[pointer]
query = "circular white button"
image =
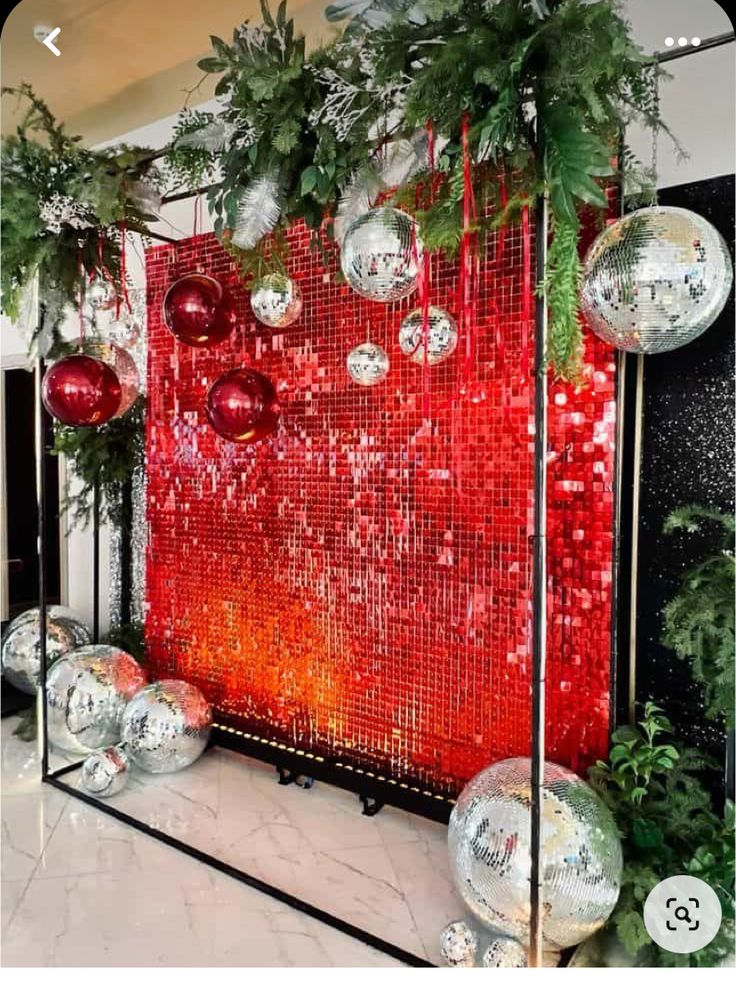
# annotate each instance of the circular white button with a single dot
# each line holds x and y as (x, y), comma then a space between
(682, 914)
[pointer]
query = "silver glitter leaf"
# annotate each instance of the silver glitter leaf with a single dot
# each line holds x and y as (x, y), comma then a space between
(259, 211)
(212, 137)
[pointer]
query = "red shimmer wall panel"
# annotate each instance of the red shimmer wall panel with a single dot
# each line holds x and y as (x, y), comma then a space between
(359, 583)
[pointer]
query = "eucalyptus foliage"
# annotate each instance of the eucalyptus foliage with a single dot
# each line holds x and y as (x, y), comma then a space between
(514, 69)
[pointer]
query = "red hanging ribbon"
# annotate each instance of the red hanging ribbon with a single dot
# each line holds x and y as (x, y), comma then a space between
(466, 259)
(527, 294)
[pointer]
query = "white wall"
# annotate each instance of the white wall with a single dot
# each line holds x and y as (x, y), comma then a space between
(698, 104)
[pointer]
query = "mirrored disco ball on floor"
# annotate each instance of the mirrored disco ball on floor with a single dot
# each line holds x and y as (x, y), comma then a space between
(381, 255)
(655, 280)
(105, 772)
(86, 692)
(489, 845)
(504, 952)
(166, 726)
(277, 301)
(21, 646)
(459, 944)
(441, 336)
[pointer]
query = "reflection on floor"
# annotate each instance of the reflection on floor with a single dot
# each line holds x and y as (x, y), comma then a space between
(82, 889)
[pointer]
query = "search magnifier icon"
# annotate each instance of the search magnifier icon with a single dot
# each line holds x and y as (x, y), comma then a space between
(684, 910)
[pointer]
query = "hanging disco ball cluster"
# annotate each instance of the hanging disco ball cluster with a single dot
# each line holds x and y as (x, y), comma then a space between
(381, 257)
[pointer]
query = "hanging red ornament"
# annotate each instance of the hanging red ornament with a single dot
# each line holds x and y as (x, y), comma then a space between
(242, 406)
(198, 310)
(81, 390)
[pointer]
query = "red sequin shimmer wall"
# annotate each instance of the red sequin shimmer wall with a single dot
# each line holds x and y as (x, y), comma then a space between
(359, 583)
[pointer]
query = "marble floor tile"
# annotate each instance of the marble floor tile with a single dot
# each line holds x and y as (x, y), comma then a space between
(387, 874)
(81, 888)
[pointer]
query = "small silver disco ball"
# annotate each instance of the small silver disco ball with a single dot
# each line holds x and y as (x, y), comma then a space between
(459, 944)
(166, 726)
(381, 255)
(489, 845)
(105, 772)
(21, 646)
(655, 280)
(101, 295)
(504, 952)
(441, 336)
(367, 364)
(86, 692)
(277, 301)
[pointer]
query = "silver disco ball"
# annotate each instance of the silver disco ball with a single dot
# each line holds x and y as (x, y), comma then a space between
(277, 301)
(367, 364)
(101, 294)
(489, 844)
(441, 336)
(504, 952)
(21, 646)
(105, 772)
(381, 255)
(655, 280)
(459, 944)
(166, 726)
(86, 692)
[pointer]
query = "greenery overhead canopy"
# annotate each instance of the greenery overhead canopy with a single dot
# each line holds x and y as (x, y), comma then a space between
(352, 115)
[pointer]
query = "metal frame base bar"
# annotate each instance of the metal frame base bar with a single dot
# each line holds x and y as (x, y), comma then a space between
(329, 919)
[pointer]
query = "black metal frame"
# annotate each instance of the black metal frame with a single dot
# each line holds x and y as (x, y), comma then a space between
(301, 767)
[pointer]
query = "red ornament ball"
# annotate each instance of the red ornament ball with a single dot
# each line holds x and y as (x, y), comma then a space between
(81, 390)
(198, 310)
(242, 406)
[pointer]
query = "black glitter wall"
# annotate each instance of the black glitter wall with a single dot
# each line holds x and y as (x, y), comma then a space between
(688, 458)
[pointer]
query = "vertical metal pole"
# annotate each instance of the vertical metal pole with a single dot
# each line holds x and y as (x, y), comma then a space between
(96, 562)
(40, 428)
(636, 457)
(539, 584)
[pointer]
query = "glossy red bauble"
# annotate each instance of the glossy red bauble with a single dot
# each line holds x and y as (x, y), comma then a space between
(81, 390)
(242, 406)
(198, 310)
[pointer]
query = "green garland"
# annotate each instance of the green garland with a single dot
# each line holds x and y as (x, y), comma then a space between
(316, 127)
(107, 455)
(668, 827)
(61, 208)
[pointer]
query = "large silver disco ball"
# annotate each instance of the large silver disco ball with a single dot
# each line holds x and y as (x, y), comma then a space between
(86, 692)
(381, 255)
(367, 364)
(489, 844)
(21, 646)
(655, 280)
(441, 335)
(276, 301)
(105, 772)
(166, 726)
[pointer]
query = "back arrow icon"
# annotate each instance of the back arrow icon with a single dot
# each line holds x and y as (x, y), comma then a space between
(49, 41)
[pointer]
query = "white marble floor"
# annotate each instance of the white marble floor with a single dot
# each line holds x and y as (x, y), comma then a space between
(80, 888)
